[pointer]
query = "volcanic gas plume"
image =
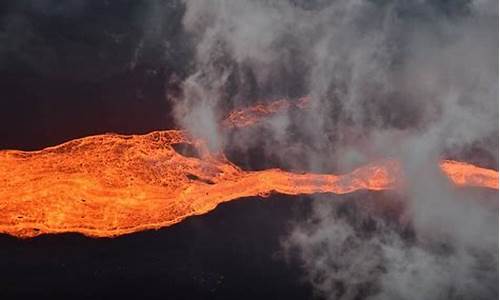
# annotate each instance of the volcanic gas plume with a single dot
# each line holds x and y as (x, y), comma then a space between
(109, 185)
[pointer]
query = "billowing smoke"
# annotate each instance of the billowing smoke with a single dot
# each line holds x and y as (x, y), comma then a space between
(348, 252)
(379, 73)
(414, 80)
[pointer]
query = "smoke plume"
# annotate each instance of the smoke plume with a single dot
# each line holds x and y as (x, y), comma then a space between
(415, 80)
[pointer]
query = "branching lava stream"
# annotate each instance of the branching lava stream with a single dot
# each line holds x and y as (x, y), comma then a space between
(109, 185)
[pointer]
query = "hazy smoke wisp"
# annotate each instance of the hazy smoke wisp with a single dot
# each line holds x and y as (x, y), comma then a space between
(413, 80)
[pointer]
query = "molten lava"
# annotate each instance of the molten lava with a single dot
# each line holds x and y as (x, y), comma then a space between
(109, 185)
(246, 117)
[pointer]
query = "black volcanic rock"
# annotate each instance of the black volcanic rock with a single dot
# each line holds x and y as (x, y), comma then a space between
(232, 252)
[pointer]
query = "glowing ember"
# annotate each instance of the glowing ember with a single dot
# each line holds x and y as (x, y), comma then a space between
(109, 185)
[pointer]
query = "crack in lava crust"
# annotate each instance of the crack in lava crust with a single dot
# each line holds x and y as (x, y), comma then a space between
(109, 185)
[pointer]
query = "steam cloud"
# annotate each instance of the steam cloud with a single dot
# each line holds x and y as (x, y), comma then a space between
(415, 80)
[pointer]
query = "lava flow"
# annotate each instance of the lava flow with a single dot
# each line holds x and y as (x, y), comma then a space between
(246, 117)
(109, 185)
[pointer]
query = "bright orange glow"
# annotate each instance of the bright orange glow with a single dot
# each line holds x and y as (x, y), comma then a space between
(463, 174)
(109, 185)
(246, 117)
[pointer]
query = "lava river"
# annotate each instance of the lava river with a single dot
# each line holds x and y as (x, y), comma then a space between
(109, 185)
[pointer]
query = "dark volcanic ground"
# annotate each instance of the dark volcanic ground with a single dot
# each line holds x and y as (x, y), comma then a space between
(233, 252)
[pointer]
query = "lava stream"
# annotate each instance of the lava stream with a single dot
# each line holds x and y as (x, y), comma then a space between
(249, 116)
(109, 185)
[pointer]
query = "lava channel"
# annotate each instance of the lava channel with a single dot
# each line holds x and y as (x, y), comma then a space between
(110, 185)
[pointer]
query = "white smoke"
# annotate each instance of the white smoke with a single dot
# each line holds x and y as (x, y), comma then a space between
(414, 80)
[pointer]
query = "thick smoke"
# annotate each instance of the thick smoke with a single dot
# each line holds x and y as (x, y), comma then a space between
(379, 73)
(414, 80)
(359, 254)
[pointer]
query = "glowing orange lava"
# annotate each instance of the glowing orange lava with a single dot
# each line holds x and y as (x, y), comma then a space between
(246, 117)
(109, 185)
